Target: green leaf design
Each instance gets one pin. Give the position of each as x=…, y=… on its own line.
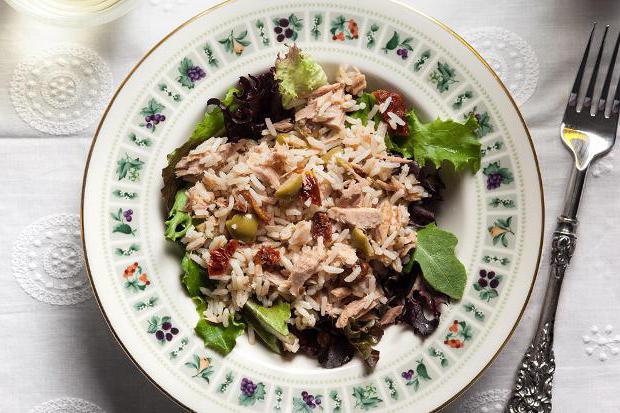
x=392, y=43
x=185, y=65
x=421, y=371
x=366, y=398
x=295, y=22
x=153, y=107
x=185, y=81
x=124, y=165
x=407, y=44
x=300, y=406
x=124, y=229
x=153, y=324
x=440, y=266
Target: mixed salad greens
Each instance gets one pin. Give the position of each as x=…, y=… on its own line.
x=435, y=273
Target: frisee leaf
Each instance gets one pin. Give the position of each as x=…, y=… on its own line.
x=441, y=269
x=299, y=75
x=438, y=141
x=217, y=337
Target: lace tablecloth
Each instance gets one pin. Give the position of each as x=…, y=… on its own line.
x=57, y=353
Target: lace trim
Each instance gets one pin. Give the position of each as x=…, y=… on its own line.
x=62, y=90
x=67, y=405
x=512, y=58
x=47, y=260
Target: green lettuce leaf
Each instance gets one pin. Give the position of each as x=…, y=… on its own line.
x=441, y=269
x=299, y=75
x=363, y=337
x=274, y=319
x=212, y=124
x=217, y=337
x=178, y=221
x=268, y=339
x=362, y=114
x=438, y=141
x=194, y=276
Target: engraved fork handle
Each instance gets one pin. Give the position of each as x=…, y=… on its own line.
x=532, y=389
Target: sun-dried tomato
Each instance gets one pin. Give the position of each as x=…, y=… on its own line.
x=396, y=106
x=321, y=227
x=267, y=256
x=260, y=212
x=220, y=258
x=310, y=189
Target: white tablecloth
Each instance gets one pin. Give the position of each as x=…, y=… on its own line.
x=48, y=352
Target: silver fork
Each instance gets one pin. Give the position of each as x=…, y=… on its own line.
x=590, y=133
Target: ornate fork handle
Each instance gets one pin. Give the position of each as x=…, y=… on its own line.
x=532, y=390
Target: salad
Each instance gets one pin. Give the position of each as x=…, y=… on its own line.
x=306, y=212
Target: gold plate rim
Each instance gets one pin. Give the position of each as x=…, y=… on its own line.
x=442, y=26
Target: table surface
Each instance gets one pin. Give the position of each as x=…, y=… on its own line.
x=48, y=352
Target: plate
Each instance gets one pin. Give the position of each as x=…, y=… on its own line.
x=134, y=272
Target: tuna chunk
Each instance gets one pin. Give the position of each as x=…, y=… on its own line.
x=382, y=231
x=302, y=235
x=390, y=315
x=340, y=292
x=353, y=79
x=304, y=267
x=356, y=309
x=267, y=175
x=199, y=199
x=359, y=217
x=325, y=107
x=283, y=125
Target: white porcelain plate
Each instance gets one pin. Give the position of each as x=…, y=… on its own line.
x=135, y=273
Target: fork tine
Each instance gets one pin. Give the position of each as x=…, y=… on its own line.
x=590, y=92
x=572, y=99
x=610, y=72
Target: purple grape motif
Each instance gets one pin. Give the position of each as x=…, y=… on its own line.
x=310, y=400
x=487, y=284
x=127, y=214
x=248, y=387
x=195, y=73
x=407, y=375
x=403, y=53
x=166, y=331
x=494, y=180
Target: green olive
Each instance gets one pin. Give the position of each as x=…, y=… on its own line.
x=291, y=140
x=281, y=138
x=290, y=188
x=243, y=227
x=342, y=163
x=359, y=240
x=331, y=153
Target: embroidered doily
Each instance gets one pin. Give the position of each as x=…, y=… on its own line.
x=512, y=58
x=490, y=401
x=48, y=262
x=67, y=405
x=62, y=90
x=604, y=343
